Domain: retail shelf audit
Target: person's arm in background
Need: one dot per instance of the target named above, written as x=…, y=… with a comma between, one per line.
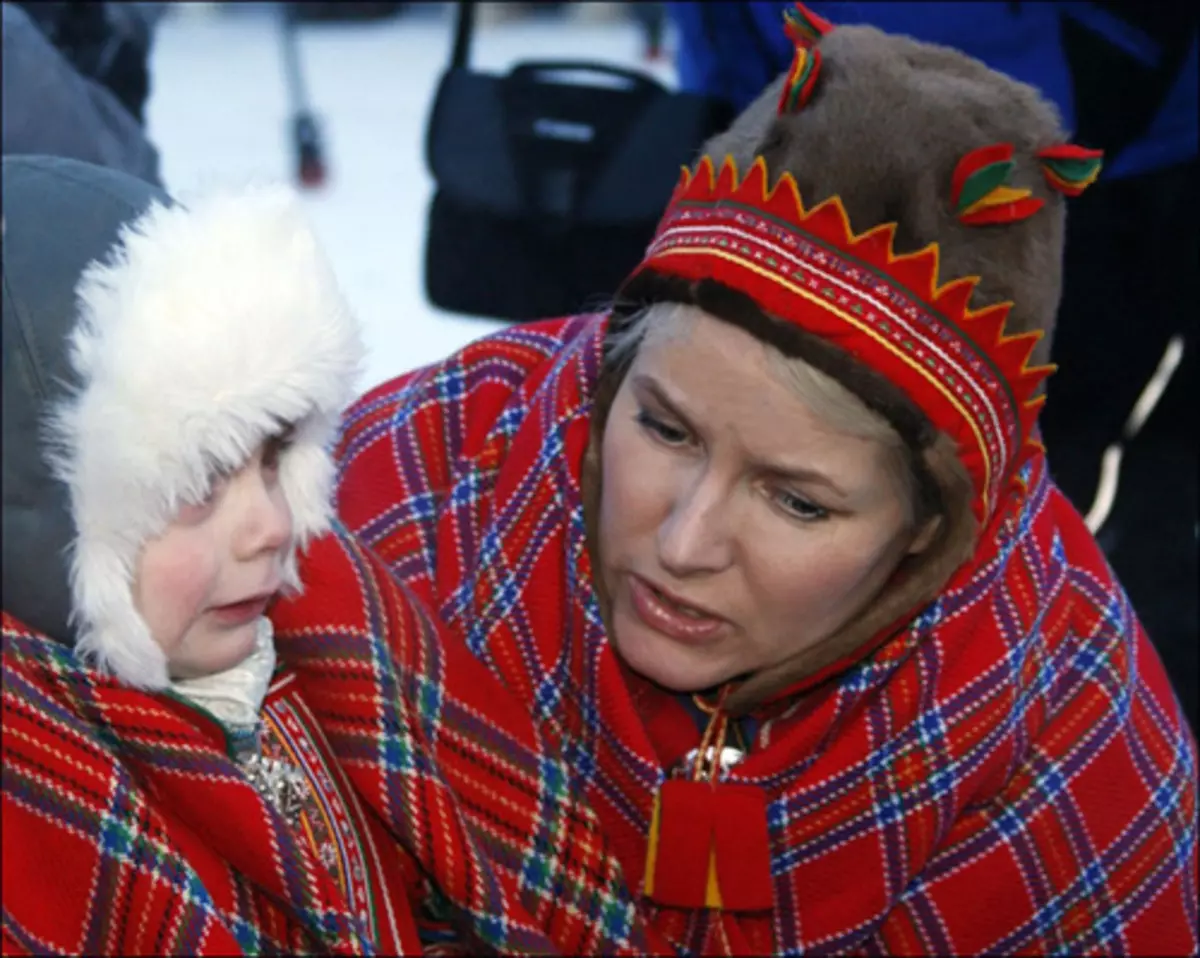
x=733, y=50
x=50, y=108
x=730, y=51
x=1135, y=69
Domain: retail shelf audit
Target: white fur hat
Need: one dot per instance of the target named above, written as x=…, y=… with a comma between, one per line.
x=208, y=328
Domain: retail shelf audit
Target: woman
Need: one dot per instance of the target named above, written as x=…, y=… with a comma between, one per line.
x=771, y=554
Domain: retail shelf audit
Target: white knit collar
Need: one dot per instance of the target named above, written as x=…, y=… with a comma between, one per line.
x=234, y=697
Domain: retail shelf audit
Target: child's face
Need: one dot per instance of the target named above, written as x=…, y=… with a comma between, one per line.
x=202, y=585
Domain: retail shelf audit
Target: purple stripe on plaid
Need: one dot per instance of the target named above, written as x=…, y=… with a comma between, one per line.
x=405, y=409
x=928, y=923
x=24, y=695
x=47, y=798
x=484, y=735
x=25, y=940
x=415, y=510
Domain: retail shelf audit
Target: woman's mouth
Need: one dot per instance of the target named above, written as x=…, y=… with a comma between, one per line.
x=669, y=616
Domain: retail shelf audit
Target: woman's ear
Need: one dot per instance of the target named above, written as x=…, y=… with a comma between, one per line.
x=925, y=536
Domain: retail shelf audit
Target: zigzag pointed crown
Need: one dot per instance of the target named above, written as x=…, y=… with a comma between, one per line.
x=888, y=311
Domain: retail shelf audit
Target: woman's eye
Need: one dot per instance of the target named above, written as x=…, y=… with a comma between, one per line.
x=671, y=435
x=801, y=508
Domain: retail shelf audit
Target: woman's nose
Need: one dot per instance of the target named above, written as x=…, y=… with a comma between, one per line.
x=694, y=538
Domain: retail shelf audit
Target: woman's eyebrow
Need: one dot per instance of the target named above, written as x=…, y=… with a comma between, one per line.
x=647, y=384
x=802, y=474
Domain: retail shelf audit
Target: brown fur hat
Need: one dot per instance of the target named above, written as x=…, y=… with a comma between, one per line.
x=887, y=123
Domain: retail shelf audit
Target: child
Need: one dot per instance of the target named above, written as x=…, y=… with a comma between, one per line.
x=172, y=377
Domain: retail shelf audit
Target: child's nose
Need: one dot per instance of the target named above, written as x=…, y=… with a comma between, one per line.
x=267, y=521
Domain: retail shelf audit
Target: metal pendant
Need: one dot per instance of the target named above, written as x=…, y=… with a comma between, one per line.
x=724, y=759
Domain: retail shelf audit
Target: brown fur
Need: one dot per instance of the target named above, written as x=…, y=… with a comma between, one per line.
x=888, y=121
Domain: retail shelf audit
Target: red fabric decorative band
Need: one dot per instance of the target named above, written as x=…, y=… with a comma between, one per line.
x=888, y=311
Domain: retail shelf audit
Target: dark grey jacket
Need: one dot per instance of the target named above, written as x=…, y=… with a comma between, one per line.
x=50, y=108
x=59, y=215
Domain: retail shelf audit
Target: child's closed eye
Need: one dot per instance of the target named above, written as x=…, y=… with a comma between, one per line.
x=275, y=447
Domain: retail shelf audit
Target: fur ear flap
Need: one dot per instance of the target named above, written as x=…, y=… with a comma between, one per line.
x=804, y=28
x=1070, y=169
x=980, y=190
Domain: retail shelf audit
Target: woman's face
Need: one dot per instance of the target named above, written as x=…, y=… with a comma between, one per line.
x=736, y=528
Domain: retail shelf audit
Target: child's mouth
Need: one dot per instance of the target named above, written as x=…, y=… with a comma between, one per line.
x=240, y=613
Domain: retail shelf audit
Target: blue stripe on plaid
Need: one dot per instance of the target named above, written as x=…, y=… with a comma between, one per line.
x=540, y=858
x=465, y=503
x=246, y=935
x=936, y=788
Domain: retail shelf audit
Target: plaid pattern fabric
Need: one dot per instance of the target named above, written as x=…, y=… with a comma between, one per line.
x=1010, y=773
x=129, y=830
x=454, y=765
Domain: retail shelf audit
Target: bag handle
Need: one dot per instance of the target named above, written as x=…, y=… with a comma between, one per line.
x=460, y=55
x=464, y=27
x=529, y=69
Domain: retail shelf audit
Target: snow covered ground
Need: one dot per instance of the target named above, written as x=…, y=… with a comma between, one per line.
x=219, y=113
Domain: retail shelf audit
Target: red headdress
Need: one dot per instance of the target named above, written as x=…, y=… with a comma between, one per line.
x=890, y=312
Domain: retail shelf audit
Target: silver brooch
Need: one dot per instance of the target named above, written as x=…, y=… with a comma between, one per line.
x=279, y=782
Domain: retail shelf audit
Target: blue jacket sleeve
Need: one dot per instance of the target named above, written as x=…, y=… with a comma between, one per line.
x=733, y=50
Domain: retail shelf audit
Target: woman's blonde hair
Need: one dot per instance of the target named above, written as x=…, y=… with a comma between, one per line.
x=938, y=488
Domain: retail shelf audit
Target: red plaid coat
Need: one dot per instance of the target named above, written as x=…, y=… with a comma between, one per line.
x=129, y=830
x=1008, y=773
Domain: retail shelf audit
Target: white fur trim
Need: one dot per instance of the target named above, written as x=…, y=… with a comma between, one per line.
x=208, y=328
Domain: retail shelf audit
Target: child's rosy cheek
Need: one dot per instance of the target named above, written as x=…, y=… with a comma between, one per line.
x=177, y=583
